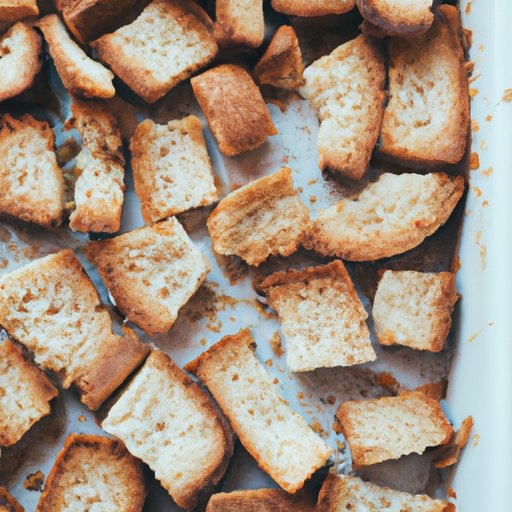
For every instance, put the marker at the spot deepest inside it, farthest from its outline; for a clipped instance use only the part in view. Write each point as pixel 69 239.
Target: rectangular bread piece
pixel 239 22
pixel 12 11
pixel 8 503
pixel 312 7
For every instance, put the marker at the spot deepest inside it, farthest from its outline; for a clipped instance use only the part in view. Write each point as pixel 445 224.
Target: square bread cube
pixel 8 503
pixel 239 22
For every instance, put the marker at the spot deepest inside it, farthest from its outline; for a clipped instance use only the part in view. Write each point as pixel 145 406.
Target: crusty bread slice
pixel 239 22
pixel 31 182
pixel 281 64
pixel 151 272
pixel 312 7
pixel 277 437
pixel 93 473
pixel 322 318
pixel 12 11
pixel 234 108
pixel 166 420
pixel 414 309
pixel 387 428
pixel 8 503
pixel 426 121
pixel 168 42
pixel 52 307
pixel 261 218
pixel 340 493
pixel 171 168
pixel 79 73
pixel 390 216
pixel 346 88
pixel 25 394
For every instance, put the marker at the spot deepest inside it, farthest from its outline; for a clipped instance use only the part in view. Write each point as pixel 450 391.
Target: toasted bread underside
pixel 239 22
pixel 390 216
pixel 312 7
pixel 8 503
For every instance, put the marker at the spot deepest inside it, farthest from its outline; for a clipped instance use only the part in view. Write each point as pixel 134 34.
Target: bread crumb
pixel 275 344
pixel 34 481
pixel 475 439
pixel 388 381
pixel 203 342
pixel 473 92
pixel 268 363
pixel 474 161
pixel 475 125
pixel 82 418
pixel 488 118
pixel 477 191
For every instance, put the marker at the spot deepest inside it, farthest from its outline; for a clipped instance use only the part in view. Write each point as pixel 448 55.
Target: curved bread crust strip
pixel 12 11
pixel 312 7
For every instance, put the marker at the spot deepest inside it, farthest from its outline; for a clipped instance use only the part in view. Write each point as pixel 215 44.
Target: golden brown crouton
pixel 239 22
pixel 312 7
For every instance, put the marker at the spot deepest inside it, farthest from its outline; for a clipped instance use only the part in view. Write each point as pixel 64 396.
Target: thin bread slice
pixel 234 108
pixel 313 7
pixel 151 272
pixel 79 73
pixel 12 11
pixel 31 182
pixel 93 473
pixel 8 503
pixel 321 316
pixel 281 64
pixel 277 437
pixel 52 307
pixel 172 172
pixel 414 309
pixel 387 428
pixel 426 121
pixel 239 22
pixel 390 216
pixel 20 60
pixel 166 420
pixel 261 218
pixel 169 41
pixel 25 394
pixel 346 88
pixel 340 493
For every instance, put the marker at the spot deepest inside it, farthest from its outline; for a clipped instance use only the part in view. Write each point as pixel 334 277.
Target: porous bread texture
pixel 93 473
pixel 31 182
pixel 166 420
pixel 172 172
pixel 151 272
pixel 239 22
pixel 52 307
pixel 387 428
pixel 346 88
pixel 426 122
pixel 169 41
pixel 277 437
pixel 390 216
pixel 12 11
pixel 79 73
pixel 8 503
pixel 261 218
pixel 321 316
pixel 312 7
pixel 281 64
pixel 25 394
pixel 414 309
pixel 234 108
pixel 340 493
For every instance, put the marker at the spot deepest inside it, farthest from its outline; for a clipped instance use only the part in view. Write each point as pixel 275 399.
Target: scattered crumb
pixel 300 395
pixel 203 342
pixel 268 363
pixel 473 92
pixel 331 399
pixel 485 204
pixel 488 171
pixel 483 145
pixel 34 481
pixel 312 199
pixel 82 418
pixel 275 381
pixel 285 159
pixel 451 493
pixel 341 446
pixel 488 118
pixel 275 344
pixel 477 191
pixel 312 181
pixel 507 95
pixel 474 161
pixel 474 336
pixel 300 190
pixel 468 6
pixel 316 426
pixel 475 439
pixel 475 125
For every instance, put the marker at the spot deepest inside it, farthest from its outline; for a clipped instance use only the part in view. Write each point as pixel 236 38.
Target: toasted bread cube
pixel 322 318
pixel 12 11
pixel 171 168
pixel 426 121
pixel 8 503
pixel 390 216
pixel 277 437
pixel 313 7
pixel 234 108
pixel 261 218
pixel 239 22
pixel 52 307
pixel 93 473
pixel 169 41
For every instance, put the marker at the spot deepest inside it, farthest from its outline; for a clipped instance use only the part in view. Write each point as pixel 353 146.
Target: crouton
pixel 166 420
pixel 8 503
pixel 52 307
pixel 312 7
pixel 390 216
pixel 277 437
pixel 234 108
pixel 322 318
pixel 169 41
pixel 387 428
pixel 426 122
pixel 12 11
pixel 346 88
pixel 239 22
pixel 171 168
pixel 261 218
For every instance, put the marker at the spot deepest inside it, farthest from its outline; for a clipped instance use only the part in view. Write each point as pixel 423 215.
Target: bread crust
pixel 12 11
pixel 239 22
pixel 313 7
pixel 8 503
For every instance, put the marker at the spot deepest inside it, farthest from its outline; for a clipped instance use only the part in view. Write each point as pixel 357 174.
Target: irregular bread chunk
pixel 239 22
pixel 277 437
pixel 52 307
pixel 312 7
pixel 171 168
pixel 12 11
pixel 346 88
pixel 234 108
pixel 166 420
pixel 261 218
pixel 390 216
pixel 387 428
pixel 426 121
pixel 31 182
pixel 8 503
pixel 322 318
pixel 414 309
pixel 151 272
pixel 168 42
pixel 93 473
